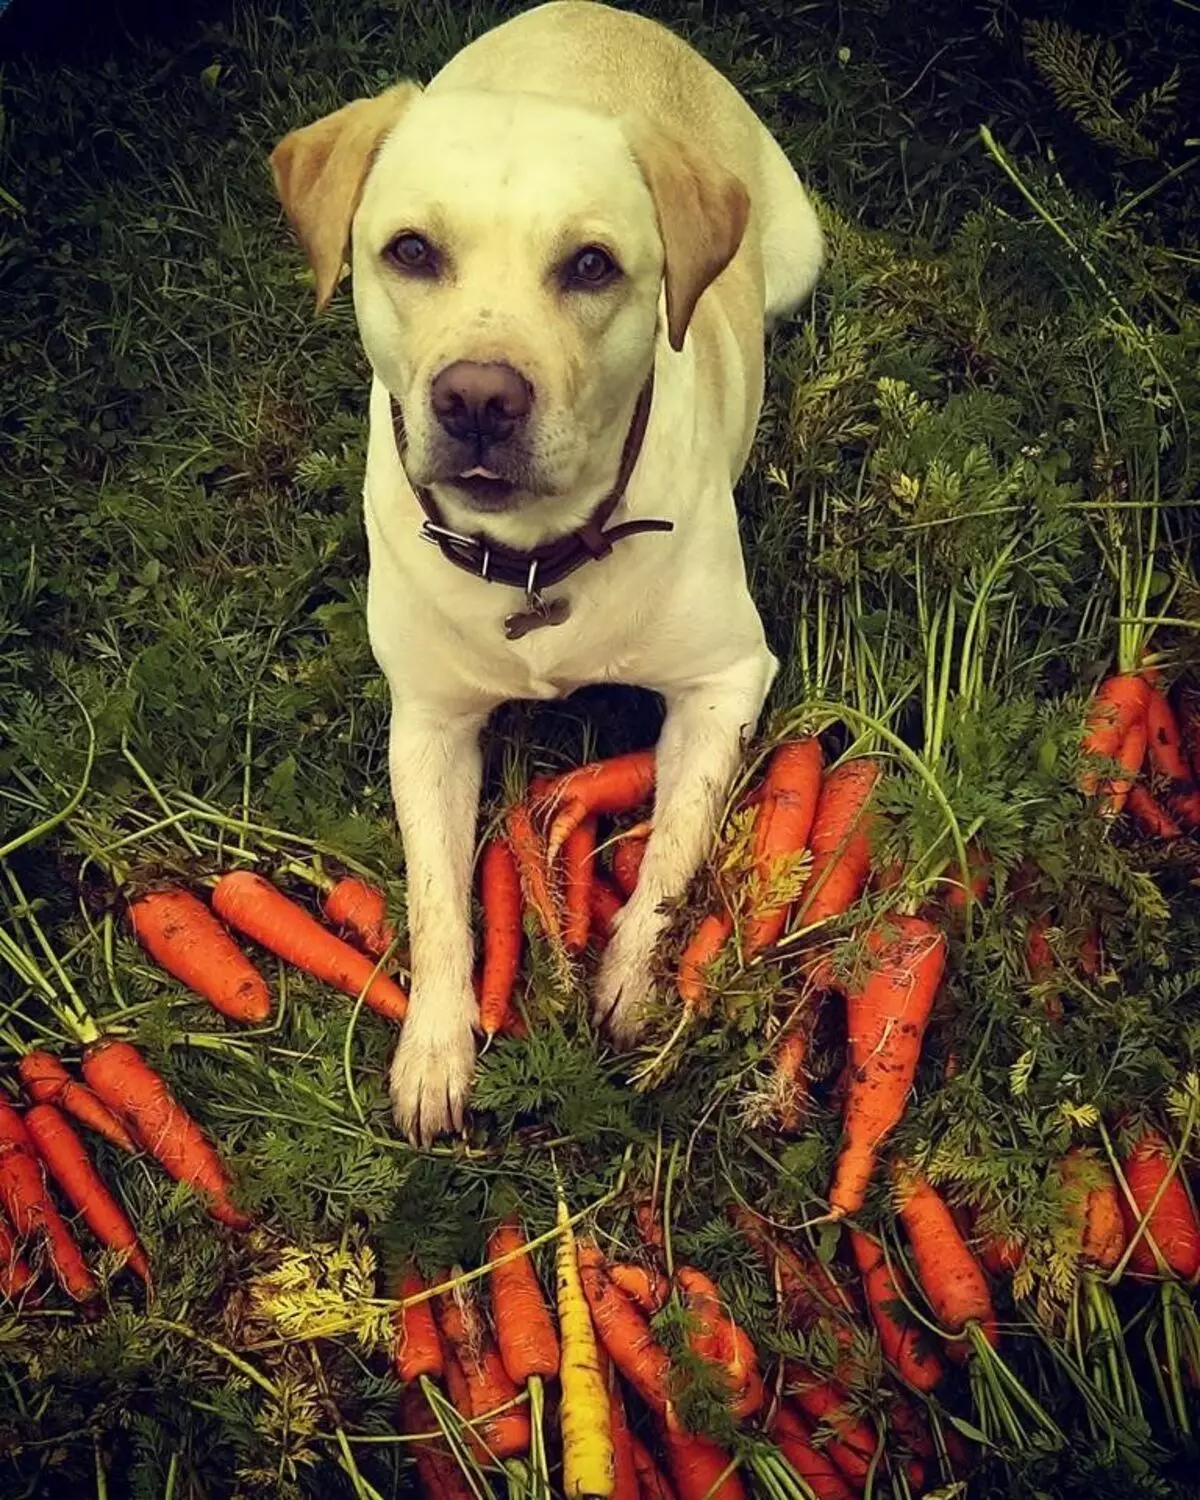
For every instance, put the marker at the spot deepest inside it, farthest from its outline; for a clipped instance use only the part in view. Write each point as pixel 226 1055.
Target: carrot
pixel 900 1337
pixel 15 1275
pixel 439 1474
pixel 793 1437
pixel 1172 1226
pixel 624 1332
pixel 529 850
pixel 524 1328
pixel 500 898
pixel 48 1082
pixel 627 863
pixel 603 786
pixel 1150 815
pixel 1164 741
pixel 950 1276
pixel 1000 1254
pixel 361 910
pixel 1189 729
pixel 65 1155
pixel 1096 1210
pixel 1130 755
pixel 827 1404
pixel 261 911
pixel 579 858
pixel 500 1433
pixel 625 1474
pixel 130 1087
pixel 840 843
pixel 702 1302
pixel 180 933
pixel 649 1223
pixel 652 1482
pixel 978 876
pixel 605 904
pixel 714 1337
pixel 589 1458
pixel 886 1017
pixel 1119 703
pixel 788 1086
pixel 417 1349
pixel 31 1212
pixel 740 1359
pixel 648 1287
pixel 810 1292
pixel 705 945
pixel 782 824
pixel 697 1465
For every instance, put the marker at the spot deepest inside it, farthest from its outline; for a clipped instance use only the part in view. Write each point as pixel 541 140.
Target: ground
pixel 973 497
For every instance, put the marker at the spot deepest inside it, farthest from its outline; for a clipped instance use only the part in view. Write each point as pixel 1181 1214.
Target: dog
pixel 564 252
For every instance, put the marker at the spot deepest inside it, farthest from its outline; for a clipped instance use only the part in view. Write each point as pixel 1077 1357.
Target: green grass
pixel 989 406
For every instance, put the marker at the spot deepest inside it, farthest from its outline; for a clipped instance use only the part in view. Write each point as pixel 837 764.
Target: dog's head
pixel 508 253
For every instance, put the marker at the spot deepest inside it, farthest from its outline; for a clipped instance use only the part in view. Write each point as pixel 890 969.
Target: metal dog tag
pixel 539 612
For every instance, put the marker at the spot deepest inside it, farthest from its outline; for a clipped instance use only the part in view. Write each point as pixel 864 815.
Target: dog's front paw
pixel 625 984
pixel 431 1078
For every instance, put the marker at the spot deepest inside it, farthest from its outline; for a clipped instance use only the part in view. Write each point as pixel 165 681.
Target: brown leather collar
pixel 541 567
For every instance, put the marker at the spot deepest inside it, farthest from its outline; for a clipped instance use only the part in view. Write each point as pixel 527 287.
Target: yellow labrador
pixel 564 252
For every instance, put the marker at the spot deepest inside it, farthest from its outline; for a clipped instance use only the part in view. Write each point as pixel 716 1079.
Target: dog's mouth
pixel 483 489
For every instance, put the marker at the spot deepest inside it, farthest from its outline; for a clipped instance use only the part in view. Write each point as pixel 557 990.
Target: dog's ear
pixel 702 212
pixel 319 173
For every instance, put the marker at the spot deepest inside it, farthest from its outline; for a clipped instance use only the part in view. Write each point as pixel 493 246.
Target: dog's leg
pixel 697 756
pixel 435 766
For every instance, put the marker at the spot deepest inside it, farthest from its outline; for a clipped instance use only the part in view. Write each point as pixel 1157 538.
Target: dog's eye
pixel 412 252
pixel 591 267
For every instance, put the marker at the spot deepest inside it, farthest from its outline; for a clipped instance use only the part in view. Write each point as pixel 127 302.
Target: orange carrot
pixel 900 1336
pixel 1000 1254
pixel 979 874
pixel 1150 815
pixel 788 1086
pixel 502 1433
pixel 500 898
pixel 652 1483
pixel 648 1287
pixel 840 843
pixel 950 1276
pixel 605 904
pixel 828 1404
pixel 417 1349
pixel 1096 1209
pixel 782 824
pixel 529 850
pixel 649 1223
pixel 180 933
pixel 524 1328
pixel 31 1211
pixel 714 1337
pixel 439 1475
pixel 793 1437
pixel 65 1155
pixel 1119 703
pixel 361 910
pixel 740 1359
pixel 702 1301
pixel 603 786
pixel 627 863
pixel 261 911
pixel 1130 755
pixel 1172 1226
pixel 130 1087
pixel 579 858
pixel 15 1275
pixel 697 1464
pixel 705 945
pixel 1164 742
pixel 625 1473
pixel 1189 729
pixel 886 1017
pixel 48 1082
pixel 624 1332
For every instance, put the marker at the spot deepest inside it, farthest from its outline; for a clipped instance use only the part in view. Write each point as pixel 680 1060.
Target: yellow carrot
pixel 589 1461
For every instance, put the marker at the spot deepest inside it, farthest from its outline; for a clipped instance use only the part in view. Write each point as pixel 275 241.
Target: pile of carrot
pixel 1133 726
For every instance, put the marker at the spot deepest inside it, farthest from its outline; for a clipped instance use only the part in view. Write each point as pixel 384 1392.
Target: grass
pixel 976 461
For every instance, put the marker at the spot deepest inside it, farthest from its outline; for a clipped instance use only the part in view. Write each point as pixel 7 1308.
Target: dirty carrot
pixel 589 1459
pixel 950 1276
pixel 900 1337
pixel 808 1289
pixel 130 1087
pixel 502 1429
pixel 886 1015
pixel 627 863
pixel 1119 703
pixel 66 1158
pixel 529 850
pixel 702 1302
pixel 788 1085
pixel 500 899
pixel 48 1082
pixel 30 1210
pixel 360 909
pixel 782 825
pixel 652 1482
pixel 840 842
pixel 703 947
pixel 417 1347
pixel 605 903
pixel 793 1437
pixel 740 1360
pixel 261 911
pixel 1150 815
pixel 524 1328
pixel 648 1287
pixel 1172 1226
pixel 700 1470
pixel 624 1332
pixel 604 786
pixel 1094 1203
pixel 579 858
pixel 179 932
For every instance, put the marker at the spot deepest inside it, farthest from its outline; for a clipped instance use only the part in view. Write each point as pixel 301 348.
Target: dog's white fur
pixel 571 124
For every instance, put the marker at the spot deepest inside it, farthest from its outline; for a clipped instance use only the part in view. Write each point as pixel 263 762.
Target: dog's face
pixel 508 255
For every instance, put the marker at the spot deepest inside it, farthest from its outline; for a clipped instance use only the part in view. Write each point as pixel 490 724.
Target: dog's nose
pixel 481 401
